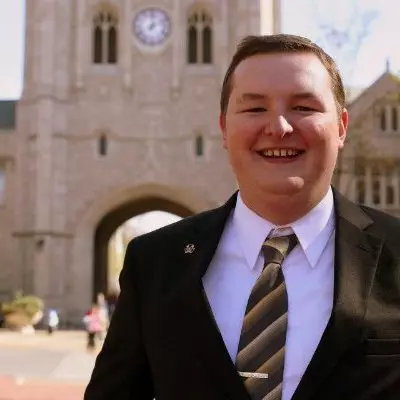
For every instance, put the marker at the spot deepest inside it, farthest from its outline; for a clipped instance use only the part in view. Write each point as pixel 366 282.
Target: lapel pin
pixel 189 249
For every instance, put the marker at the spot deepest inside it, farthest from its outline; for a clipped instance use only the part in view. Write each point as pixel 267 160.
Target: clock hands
pixel 152 26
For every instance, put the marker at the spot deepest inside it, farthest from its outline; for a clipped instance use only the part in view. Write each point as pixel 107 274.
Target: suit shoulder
pixel 384 220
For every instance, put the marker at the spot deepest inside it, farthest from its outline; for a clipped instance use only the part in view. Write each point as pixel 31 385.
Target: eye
pixel 256 109
pixel 304 108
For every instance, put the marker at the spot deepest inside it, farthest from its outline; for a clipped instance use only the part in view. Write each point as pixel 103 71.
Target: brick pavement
pixel 11 389
pixel 43 367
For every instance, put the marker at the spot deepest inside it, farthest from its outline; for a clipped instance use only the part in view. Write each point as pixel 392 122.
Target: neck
pixel 282 209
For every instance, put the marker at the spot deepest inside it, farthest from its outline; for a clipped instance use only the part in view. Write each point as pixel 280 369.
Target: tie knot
pixel 276 248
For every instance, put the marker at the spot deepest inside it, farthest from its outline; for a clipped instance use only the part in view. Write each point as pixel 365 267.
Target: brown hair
pixel 281 43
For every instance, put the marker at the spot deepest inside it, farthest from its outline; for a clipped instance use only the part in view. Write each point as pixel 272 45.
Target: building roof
pixel 386 83
pixel 7 114
pixel 352 92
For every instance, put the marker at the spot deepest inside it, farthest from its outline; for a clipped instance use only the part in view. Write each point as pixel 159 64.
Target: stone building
pixel 118 116
pixel 370 168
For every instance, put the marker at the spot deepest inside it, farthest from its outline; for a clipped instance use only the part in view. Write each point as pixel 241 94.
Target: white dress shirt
pixel 308 272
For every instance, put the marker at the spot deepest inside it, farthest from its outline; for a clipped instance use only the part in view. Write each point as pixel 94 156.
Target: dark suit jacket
pixel 163 340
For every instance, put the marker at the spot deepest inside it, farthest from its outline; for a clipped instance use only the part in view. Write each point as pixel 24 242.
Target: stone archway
pixel 110 222
pixel 99 219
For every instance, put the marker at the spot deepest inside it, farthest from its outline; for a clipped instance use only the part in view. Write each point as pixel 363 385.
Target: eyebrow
pixel 258 96
pixel 251 96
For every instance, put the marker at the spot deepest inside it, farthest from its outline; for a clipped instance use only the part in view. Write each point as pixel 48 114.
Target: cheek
pixel 241 133
pixel 319 134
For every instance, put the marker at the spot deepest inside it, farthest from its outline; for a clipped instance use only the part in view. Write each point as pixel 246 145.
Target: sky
pixel 11 47
pixel 361 59
pixel 371 29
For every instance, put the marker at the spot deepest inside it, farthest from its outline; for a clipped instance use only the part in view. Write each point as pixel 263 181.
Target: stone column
pixel 125 52
pixel 270 11
pixel 242 20
pixel 368 185
pixel 178 41
pixel 222 41
pixel 277 16
pixel 43 193
pixel 80 42
pixel 254 20
pixel 45 14
pixel 383 184
pixel 248 15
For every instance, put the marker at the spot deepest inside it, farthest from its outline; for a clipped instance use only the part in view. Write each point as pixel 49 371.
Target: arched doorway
pixel 110 222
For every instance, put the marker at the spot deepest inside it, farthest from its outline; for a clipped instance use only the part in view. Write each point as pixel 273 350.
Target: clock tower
pixel 119 116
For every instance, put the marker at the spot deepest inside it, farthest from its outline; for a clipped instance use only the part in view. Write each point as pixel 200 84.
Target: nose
pixel 278 126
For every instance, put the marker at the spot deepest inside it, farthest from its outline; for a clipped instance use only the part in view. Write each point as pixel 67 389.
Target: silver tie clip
pixel 257 375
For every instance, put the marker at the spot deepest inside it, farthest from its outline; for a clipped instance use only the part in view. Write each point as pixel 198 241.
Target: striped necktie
pixel 261 352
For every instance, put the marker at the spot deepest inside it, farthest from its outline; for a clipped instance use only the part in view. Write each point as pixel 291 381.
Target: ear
pixel 343 125
pixel 222 127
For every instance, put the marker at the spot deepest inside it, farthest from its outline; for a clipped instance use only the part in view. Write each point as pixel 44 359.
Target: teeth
pixel 280 152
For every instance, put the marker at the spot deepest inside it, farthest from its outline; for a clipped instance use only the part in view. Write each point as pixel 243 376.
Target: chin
pixel 286 187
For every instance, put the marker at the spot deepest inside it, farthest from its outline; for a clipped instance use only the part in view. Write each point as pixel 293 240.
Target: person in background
pixel 103 314
pixel 94 326
pixel 52 321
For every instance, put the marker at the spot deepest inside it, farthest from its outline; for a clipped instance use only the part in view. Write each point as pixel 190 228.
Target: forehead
pixel 282 72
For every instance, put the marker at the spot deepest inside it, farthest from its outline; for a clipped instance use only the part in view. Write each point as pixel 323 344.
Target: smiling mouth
pixel 286 153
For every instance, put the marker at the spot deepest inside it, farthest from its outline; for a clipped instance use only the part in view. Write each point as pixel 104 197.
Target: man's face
pixel 282 130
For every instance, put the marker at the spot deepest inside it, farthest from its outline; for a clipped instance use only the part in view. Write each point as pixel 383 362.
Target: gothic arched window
pixel 112 45
pixel 360 191
pixel 102 145
pixel 394 119
pixel 382 118
pixel 376 185
pixel 199 142
pixel 105 38
pixel 389 195
pixel 359 171
pixel 390 172
pixel 192 45
pixel 199 37
pixel 97 45
pixel 207 35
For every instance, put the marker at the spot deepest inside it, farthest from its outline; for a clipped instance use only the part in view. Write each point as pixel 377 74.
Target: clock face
pixel 152 26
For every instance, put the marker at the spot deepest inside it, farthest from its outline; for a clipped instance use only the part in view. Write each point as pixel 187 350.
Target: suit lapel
pixel 356 254
pixel 191 304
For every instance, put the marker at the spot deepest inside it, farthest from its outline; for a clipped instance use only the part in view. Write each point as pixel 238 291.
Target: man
pixel 288 291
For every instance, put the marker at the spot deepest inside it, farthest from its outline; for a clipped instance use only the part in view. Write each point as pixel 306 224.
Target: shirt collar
pixel 312 230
